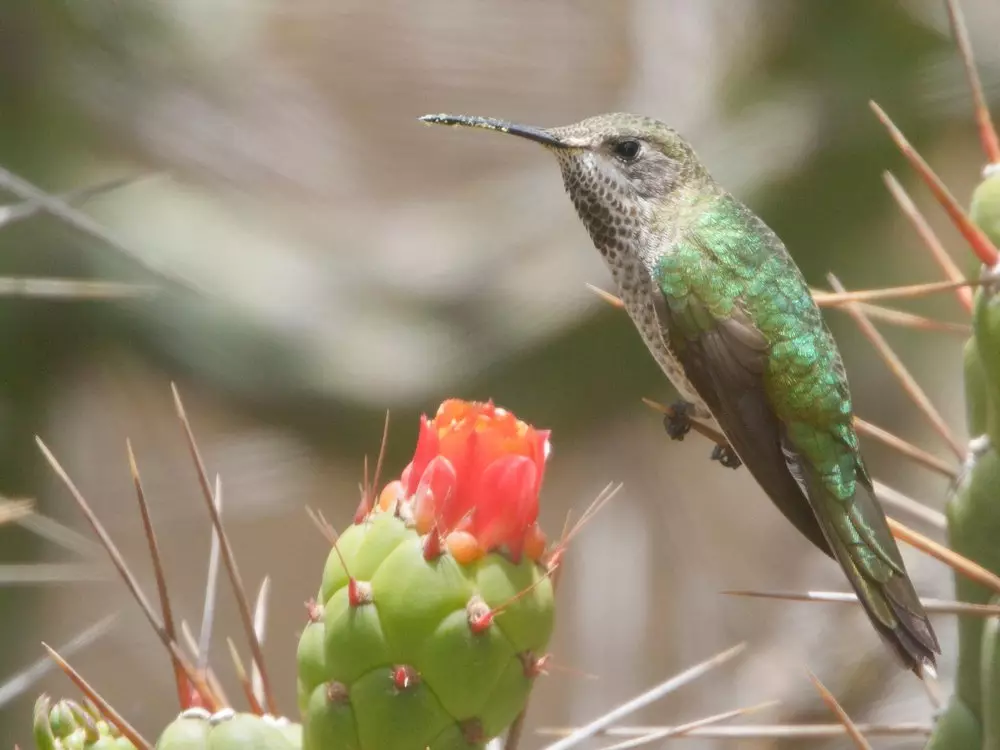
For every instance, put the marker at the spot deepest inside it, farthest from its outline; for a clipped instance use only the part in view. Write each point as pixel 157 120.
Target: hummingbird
pixel 727 315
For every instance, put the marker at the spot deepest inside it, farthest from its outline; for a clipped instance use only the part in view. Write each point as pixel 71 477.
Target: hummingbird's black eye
pixel 627 149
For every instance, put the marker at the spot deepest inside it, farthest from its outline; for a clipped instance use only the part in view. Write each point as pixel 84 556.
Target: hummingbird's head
pixel 620 170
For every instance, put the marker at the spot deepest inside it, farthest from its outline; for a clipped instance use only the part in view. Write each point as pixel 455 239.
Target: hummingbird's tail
pixel 863 544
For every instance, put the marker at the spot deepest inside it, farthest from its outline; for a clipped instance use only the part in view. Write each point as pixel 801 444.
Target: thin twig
pixel 930 239
pixel 15 510
pixel 643 700
pixel 23 680
pixel 211 599
pixel 38 574
pixel 72 289
pixel 766 731
pixel 904 319
pixel 852 730
pixel 977 239
pixel 896 366
pixel 125 572
pixel 683 729
pixel 241 676
pixel 161 580
pixel 919 455
pixel 699 427
pixel 835 299
pixel 987 133
pixel 933 606
pixel 260 628
pixel 105 708
pixel 889 496
pixel 228 557
pixel 959 563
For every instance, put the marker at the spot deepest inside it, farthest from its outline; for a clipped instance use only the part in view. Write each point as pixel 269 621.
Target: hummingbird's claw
pixel 726 456
pixel 678 422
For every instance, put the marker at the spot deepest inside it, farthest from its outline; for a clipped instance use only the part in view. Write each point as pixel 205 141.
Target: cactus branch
pixel 929 238
pixel 227 552
pixel 828 698
pixel 987 132
pixel 105 708
pixel 975 236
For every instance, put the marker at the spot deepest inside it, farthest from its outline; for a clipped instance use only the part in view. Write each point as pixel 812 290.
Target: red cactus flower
pixel 475 477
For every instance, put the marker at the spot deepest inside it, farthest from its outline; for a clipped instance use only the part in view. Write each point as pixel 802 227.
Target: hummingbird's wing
pixel 727 359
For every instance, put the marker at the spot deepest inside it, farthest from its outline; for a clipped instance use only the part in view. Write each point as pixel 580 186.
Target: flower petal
pixel 436 487
pixel 506 502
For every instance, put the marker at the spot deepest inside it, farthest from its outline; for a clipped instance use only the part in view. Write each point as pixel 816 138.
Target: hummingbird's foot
pixel 678 421
pixel 726 456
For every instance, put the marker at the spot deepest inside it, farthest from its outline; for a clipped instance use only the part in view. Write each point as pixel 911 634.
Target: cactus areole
pixel 435 606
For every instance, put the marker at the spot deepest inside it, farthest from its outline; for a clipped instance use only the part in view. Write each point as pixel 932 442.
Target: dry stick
pixel 971 570
pixel 241 676
pixel 161 581
pixel 20 682
pixel 889 315
pixel 977 239
pixel 14 510
pixel 933 606
pixel 987 133
pixel 843 297
pixel 770 731
pixel 211 600
pixel 641 701
pixel 62 535
pixel 930 239
pixel 381 458
pixel 260 628
pixel 896 366
pixel 554 565
pixel 908 449
pixel 831 702
pixel 323 525
pixel 209 675
pixel 889 496
pixel 102 705
pixel 130 582
pixel 699 427
pixel 26 209
pixel 36 574
pixel 75 289
pixel 227 553
pixel 682 729
pixel 905 319
pixel 80 221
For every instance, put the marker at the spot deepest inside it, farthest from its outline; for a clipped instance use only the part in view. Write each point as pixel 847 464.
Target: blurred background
pixel 321 257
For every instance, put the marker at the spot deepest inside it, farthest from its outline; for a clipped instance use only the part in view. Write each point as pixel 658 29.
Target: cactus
pixel 69 726
pixel 436 605
pixel 433 612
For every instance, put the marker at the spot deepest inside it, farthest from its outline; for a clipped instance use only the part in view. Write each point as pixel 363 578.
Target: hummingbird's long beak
pixel 538 135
